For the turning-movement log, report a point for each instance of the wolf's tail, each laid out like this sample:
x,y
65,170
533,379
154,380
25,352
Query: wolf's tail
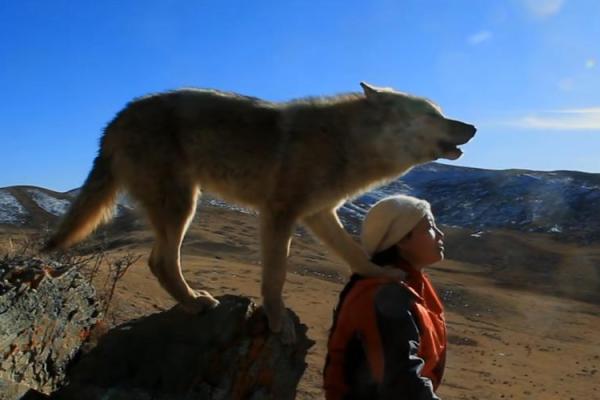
x,y
93,205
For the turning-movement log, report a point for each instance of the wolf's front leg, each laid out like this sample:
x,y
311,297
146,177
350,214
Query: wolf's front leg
x,y
328,228
275,236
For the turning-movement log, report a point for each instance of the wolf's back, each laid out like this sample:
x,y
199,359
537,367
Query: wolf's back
x,y
92,206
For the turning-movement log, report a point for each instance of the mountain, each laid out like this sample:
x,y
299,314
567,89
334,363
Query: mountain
x,y
564,204
35,207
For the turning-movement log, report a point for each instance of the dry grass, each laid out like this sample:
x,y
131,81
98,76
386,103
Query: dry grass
x,y
102,269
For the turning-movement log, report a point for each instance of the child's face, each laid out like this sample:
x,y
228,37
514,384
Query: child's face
x,y
425,245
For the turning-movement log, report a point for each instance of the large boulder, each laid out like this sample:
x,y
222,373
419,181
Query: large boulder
x,y
53,344
225,353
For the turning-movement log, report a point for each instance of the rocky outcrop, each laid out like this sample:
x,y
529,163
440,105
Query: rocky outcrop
x,y
225,353
50,346
46,313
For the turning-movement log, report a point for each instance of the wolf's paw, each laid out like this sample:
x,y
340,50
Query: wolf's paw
x,y
372,270
394,273
200,302
280,322
288,329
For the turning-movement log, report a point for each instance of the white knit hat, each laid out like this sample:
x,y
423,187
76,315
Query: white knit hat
x,y
389,220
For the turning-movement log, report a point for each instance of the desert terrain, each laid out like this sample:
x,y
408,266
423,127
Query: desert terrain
x,y
522,312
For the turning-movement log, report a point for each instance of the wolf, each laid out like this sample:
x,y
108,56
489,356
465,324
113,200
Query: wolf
x,y
293,162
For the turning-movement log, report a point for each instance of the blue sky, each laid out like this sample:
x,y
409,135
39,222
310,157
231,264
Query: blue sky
x,y
524,71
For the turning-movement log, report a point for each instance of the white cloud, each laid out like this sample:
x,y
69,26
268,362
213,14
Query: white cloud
x,y
580,119
589,110
543,8
590,63
479,37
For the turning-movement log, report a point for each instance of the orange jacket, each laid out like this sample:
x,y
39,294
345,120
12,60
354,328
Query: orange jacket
x,y
388,340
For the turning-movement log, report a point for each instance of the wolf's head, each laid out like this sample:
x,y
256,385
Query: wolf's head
x,y
415,127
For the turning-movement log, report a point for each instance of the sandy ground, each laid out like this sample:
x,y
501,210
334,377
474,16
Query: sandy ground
x,y
505,342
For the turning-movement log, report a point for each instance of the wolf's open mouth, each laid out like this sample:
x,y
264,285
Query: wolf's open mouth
x,y
450,150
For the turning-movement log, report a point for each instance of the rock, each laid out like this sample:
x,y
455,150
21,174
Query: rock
x,y
46,312
225,353
54,345
10,390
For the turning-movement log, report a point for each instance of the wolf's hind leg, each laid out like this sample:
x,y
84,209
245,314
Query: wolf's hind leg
x,y
170,219
275,237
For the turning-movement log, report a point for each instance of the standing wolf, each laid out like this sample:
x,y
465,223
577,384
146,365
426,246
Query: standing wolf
x,y
293,161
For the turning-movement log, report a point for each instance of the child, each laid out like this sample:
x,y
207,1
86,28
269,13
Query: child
x,y
388,339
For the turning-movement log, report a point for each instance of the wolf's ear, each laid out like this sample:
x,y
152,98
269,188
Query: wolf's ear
x,y
370,90
375,93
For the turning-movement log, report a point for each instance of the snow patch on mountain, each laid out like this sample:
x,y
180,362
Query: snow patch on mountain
x,y
223,204
48,203
11,211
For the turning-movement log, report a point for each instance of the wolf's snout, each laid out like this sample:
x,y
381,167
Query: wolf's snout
x,y
460,131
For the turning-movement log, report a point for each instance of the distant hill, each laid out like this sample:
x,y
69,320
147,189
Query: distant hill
x,y
35,207
564,204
